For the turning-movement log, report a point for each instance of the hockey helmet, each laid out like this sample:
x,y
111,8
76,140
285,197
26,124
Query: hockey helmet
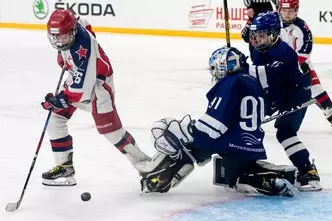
x,y
61,29
288,10
265,30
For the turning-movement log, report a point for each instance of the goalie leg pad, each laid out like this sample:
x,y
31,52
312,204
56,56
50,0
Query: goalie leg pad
x,y
228,170
260,177
164,173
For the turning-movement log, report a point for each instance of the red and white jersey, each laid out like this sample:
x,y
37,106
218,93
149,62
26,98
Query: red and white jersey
x,y
299,37
90,83
86,24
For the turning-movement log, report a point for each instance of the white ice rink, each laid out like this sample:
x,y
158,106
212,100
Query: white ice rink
x,y
154,77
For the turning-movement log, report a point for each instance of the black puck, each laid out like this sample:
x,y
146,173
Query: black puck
x,y
85,196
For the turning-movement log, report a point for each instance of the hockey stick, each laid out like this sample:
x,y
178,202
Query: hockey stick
x,y
228,39
14,206
294,109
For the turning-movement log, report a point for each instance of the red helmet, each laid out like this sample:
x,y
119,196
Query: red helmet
x,y
288,10
61,29
289,4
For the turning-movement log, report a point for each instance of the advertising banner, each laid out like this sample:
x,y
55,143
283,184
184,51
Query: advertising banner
x,y
198,18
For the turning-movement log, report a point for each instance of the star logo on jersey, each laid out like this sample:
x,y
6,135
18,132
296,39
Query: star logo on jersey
x,y
81,52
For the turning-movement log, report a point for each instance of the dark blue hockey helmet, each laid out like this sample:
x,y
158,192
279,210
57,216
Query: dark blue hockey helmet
x,y
226,60
265,30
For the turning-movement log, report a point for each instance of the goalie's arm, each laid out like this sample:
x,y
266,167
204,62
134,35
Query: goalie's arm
x,y
219,117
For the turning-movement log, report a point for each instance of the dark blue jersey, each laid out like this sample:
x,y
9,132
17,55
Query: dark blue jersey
x,y
233,118
277,69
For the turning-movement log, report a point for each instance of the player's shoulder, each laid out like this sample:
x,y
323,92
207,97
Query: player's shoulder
x,y
82,46
224,84
234,80
283,49
301,24
83,22
246,80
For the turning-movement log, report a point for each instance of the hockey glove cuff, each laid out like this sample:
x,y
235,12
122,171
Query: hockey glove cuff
x,y
58,102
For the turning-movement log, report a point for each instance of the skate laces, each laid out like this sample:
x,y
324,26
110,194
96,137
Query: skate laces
x,y
58,168
55,169
313,170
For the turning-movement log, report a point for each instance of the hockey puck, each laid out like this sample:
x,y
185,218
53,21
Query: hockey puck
x,y
85,196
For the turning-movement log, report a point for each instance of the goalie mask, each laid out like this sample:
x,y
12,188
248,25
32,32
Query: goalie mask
x,y
61,29
226,60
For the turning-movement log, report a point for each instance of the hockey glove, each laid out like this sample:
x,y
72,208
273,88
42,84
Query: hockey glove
x,y
305,68
245,31
57,102
172,136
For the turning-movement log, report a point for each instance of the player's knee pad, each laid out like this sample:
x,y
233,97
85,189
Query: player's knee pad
x,y
291,121
285,133
107,122
57,127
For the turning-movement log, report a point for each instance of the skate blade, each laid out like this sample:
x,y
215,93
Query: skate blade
x,y
63,181
313,186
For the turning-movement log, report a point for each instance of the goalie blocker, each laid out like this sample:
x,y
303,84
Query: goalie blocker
x,y
251,176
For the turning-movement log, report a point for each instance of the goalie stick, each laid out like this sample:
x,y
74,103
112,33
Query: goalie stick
x,y
11,207
294,109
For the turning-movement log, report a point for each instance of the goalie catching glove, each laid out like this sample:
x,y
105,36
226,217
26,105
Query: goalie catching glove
x,y
172,136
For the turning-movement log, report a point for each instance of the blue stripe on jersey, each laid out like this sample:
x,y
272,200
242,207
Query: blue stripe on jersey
x,y
80,52
307,36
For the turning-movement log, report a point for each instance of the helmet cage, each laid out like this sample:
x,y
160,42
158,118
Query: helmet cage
x,y
61,42
263,39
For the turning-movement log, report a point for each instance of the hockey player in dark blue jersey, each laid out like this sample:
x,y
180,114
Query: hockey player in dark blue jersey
x,y
230,127
276,66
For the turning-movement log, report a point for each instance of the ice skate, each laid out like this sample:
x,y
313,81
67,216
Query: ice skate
x,y
308,178
61,175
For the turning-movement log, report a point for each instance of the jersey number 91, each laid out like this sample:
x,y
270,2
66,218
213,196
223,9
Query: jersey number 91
x,y
251,113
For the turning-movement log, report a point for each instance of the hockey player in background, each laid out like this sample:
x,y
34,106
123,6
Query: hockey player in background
x,y
254,7
296,33
230,127
89,87
275,65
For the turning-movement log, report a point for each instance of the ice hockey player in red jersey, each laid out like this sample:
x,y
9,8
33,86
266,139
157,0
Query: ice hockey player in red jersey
x,y
89,87
296,33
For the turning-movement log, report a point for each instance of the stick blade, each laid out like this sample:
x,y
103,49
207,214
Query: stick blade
x,y
11,207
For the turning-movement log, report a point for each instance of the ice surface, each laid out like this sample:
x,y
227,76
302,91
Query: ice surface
x,y
154,77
